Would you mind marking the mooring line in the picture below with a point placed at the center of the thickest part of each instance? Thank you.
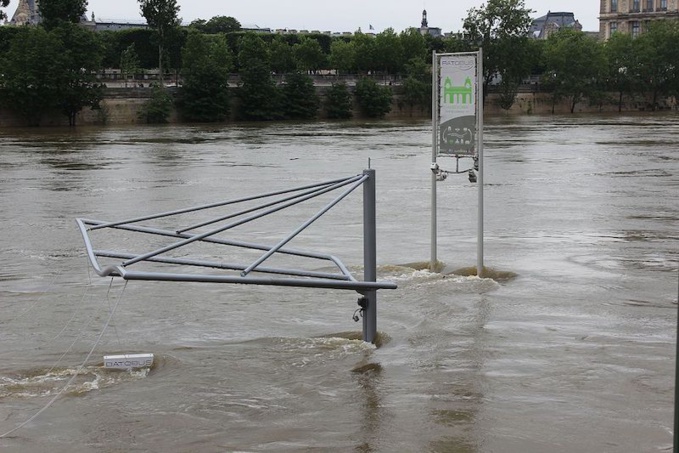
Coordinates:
(77, 372)
(75, 312)
(115, 329)
(35, 302)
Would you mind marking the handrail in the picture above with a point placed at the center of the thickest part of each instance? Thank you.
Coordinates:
(291, 277)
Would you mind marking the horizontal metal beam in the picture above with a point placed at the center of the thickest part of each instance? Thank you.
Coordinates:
(300, 283)
(227, 266)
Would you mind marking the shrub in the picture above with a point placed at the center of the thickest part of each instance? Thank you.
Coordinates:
(373, 99)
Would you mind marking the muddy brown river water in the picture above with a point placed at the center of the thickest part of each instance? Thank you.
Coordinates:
(571, 351)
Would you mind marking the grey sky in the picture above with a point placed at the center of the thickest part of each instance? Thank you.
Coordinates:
(340, 16)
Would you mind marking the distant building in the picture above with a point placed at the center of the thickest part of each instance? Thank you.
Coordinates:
(114, 25)
(254, 28)
(632, 16)
(552, 22)
(26, 13)
(425, 29)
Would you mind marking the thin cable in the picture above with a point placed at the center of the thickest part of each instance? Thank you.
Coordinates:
(35, 302)
(115, 329)
(75, 312)
(70, 381)
(82, 332)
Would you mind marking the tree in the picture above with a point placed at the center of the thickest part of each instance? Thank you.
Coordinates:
(163, 17)
(282, 57)
(623, 65)
(364, 52)
(7, 35)
(414, 45)
(47, 71)
(417, 85)
(574, 64)
(204, 96)
(222, 24)
(342, 56)
(116, 42)
(500, 28)
(218, 24)
(658, 67)
(259, 97)
(301, 100)
(80, 59)
(434, 44)
(309, 55)
(28, 85)
(339, 102)
(129, 62)
(516, 58)
(158, 108)
(388, 52)
(373, 99)
(55, 12)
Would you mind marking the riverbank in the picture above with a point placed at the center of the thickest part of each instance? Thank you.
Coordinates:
(121, 106)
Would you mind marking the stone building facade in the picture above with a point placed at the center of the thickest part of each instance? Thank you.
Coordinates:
(631, 16)
(26, 13)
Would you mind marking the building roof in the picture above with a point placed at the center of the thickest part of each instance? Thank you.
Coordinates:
(553, 20)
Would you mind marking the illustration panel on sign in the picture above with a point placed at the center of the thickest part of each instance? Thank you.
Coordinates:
(457, 105)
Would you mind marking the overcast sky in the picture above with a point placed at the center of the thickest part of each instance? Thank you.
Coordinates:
(340, 16)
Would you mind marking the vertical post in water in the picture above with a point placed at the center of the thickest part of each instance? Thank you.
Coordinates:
(434, 152)
(676, 384)
(479, 144)
(369, 256)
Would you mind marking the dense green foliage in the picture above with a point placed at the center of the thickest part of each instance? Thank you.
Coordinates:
(54, 67)
(80, 59)
(218, 24)
(260, 99)
(163, 17)
(373, 99)
(7, 34)
(339, 102)
(28, 81)
(309, 55)
(500, 28)
(417, 89)
(658, 54)
(300, 99)
(129, 63)
(205, 90)
(55, 12)
(158, 108)
(574, 64)
(51, 70)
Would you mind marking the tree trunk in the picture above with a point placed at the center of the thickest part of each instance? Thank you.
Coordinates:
(160, 63)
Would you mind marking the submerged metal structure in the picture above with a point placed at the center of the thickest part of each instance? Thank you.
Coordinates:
(254, 273)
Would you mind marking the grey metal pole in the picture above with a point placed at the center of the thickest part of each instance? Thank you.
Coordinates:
(369, 256)
(479, 144)
(434, 152)
(676, 384)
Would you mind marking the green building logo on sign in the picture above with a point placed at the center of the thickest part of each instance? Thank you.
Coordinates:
(458, 95)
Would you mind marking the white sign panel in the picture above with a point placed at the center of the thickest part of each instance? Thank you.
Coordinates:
(457, 105)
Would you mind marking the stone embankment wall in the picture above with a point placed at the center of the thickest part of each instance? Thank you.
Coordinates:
(121, 106)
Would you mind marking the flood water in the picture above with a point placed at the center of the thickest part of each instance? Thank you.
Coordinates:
(570, 348)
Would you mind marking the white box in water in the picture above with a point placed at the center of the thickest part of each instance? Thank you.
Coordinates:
(128, 361)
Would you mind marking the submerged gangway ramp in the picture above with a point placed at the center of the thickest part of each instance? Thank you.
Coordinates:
(213, 271)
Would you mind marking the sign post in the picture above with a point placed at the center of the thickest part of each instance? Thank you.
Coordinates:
(457, 120)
